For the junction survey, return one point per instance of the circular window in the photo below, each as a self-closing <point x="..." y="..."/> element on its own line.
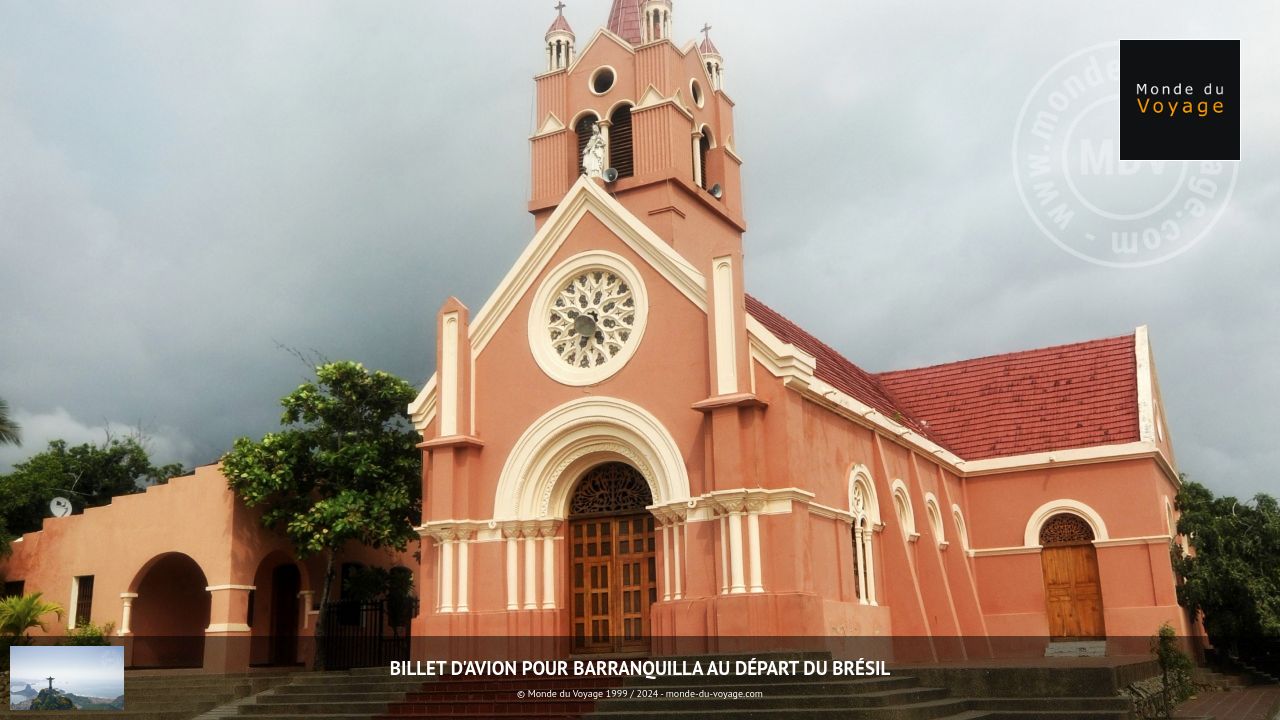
<point x="587" y="318"/>
<point x="695" y="89"/>
<point x="602" y="80"/>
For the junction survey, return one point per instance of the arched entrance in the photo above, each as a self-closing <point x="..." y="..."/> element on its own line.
<point x="170" y="613"/>
<point x="274" y="612"/>
<point x="1072" y="588"/>
<point x="612" y="560"/>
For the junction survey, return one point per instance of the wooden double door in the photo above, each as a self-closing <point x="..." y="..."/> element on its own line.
<point x="1073" y="591"/>
<point x="614" y="582"/>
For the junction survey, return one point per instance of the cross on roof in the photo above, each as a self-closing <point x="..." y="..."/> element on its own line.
<point x="560" y="7"/>
<point x="706" y="30"/>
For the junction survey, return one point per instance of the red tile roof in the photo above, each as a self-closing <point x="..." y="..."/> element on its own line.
<point x="624" y="20"/>
<point x="706" y="47"/>
<point x="1068" y="396"/>
<point x="560" y="24"/>
<point x="1054" y="398"/>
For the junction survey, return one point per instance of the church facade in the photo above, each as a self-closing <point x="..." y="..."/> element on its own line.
<point x="624" y="451"/>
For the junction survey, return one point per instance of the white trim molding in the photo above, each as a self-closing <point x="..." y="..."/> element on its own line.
<point x="933" y="513"/>
<point x="216" y="588"/>
<point x="1031" y="537"/>
<point x="962" y="528"/>
<point x="724" y="322"/>
<point x="539" y="473"/>
<point x="1146" y="386"/>
<point x="901" y="499"/>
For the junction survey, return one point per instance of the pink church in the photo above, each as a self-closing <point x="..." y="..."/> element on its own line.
<point x="624" y="448"/>
<point x="624" y="451"/>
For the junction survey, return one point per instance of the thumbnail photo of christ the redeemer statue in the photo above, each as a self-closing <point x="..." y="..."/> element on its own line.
<point x="66" y="678"/>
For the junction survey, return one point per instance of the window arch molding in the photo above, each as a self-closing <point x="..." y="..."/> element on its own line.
<point x="859" y="475"/>
<point x="1031" y="537"/>
<point x="934" y="513"/>
<point x="962" y="529"/>
<point x="864" y="516"/>
<point x="906" y="513"/>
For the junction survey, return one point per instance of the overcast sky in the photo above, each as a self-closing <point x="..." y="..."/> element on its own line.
<point x="186" y="186"/>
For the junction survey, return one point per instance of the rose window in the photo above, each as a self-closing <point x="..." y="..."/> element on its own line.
<point x="592" y="318"/>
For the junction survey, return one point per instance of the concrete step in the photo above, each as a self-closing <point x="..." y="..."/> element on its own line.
<point x="154" y="693"/>
<point x="193" y="707"/>
<point x="746" y="709"/>
<point x="344" y="707"/>
<point x="286" y="698"/>
<point x="351" y="686"/>
<point x="116" y="714"/>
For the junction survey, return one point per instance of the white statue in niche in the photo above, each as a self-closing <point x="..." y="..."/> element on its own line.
<point x="593" y="155"/>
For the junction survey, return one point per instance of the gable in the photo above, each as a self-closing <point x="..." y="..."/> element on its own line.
<point x="584" y="199"/>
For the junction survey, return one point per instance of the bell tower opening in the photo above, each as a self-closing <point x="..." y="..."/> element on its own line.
<point x="612" y="560"/>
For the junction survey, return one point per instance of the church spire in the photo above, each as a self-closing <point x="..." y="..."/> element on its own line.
<point x="624" y="20"/>
<point x="712" y="59"/>
<point x="560" y="42"/>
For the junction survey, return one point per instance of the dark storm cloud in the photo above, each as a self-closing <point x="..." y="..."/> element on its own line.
<point x="184" y="187"/>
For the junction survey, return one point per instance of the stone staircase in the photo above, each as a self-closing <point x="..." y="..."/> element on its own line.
<point x="348" y="695"/>
<point x="178" y="696"/>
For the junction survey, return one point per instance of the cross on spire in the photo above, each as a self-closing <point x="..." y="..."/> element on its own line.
<point x="560" y="7"/>
<point x="706" y="30"/>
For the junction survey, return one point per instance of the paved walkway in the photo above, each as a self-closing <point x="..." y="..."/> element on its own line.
<point x="1253" y="703"/>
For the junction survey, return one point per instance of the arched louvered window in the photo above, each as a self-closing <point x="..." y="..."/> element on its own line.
<point x="583" y="129"/>
<point x="704" y="146"/>
<point x="862" y="507"/>
<point x="621" y="153"/>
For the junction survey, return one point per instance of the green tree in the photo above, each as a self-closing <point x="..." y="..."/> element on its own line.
<point x="1232" y="574"/>
<point x="10" y="431"/>
<point x="344" y="469"/>
<point x="88" y="475"/>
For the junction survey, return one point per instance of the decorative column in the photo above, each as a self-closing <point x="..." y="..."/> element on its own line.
<point x="126" y="612"/>
<point x="445" y="541"/>
<point x="464" y="569"/>
<point x="530" y="535"/>
<point x="511" y="537"/>
<point x="754" y="507"/>
<point x="547" y="531"/>
<point x="735" y="507"/>
<point x="677" y="542"/>
<point x="724" y="549"/>
<point x="859" y="580"/>
<point x="304" y="599"/>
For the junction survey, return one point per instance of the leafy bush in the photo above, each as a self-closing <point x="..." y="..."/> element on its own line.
<point x="90" y="634"/>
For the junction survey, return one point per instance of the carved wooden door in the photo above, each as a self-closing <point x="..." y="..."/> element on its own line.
<point x="612" y="559"/>
<point x="1072" y="586"/>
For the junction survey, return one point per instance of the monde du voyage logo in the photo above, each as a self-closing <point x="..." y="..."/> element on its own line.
<point x="1125" y="153"/>
<point x="1181" y="99"/>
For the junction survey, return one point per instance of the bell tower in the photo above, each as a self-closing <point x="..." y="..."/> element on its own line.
<point x="654" y="115"/>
